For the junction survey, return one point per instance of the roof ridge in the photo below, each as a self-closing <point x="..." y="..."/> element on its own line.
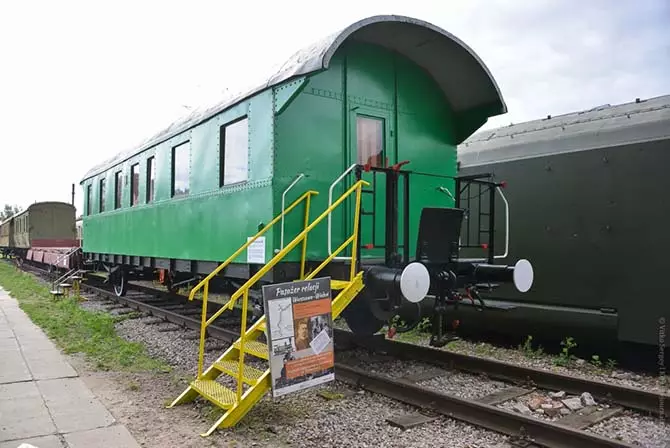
<point x="580" y="117"/>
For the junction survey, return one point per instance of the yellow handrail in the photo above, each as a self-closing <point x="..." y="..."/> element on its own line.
<point x="281" y="254"/>
<point x="243" y="330"/>
<point x="244" y="289"/>
<point x="353" y="240"/>
<point x="239" y="251"/>
<point x="231" y="303"/>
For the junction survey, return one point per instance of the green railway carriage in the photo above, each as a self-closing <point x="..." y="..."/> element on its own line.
<point x="368" y="120"/>
<point x="385" y="100"/>
<point x="385" y="89"/>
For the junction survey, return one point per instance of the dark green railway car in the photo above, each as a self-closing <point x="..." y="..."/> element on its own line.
<point x="381" y="92"/>
<point x="598" y="232"/>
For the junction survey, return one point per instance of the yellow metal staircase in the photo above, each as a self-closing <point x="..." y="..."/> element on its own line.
<point x="253" y="383"/>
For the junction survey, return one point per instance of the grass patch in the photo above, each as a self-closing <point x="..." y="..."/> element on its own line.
<point x="74" y="329"/>
<point x="412" y="336"/>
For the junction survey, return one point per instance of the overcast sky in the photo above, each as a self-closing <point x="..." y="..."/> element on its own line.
<point x="80" y="81"/>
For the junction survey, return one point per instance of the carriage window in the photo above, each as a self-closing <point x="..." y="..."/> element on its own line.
<point x="151" y="178"/>
<point x="234" y="144"/>
<point x="88" y="199"/>
<point x="180" y="169"/>
<point x="102" y="195"/>
<point x="134" y="184"/>
<point x="370" y="140"/>
<point x="118" y="189"/>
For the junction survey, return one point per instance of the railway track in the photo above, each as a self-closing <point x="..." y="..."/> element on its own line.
<point x="524" y="430"/>
<point x="632" y="398"/>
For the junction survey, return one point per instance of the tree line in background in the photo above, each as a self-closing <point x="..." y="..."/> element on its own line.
<point x="9" y="210"/>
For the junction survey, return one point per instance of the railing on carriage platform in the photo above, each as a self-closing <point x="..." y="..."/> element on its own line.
<point x="58" y="284"/>
<point x="66" y="255"/>
<point x="484" y="184"/>
<point x="243" y="291"/>
<point x="478" y="212"/>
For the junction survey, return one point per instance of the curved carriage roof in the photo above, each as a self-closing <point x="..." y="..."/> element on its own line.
<point x="35" y="205"/>
<point x="602" y="126"/>
<point x="465" y="80"/>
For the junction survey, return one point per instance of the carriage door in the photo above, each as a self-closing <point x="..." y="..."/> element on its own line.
<point x="369" y="145"/>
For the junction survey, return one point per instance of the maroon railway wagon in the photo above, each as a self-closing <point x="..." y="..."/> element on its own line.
<point x="44" y="233"/>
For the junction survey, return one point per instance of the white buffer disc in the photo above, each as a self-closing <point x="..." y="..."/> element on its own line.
<point x="414" y="282"/>
<point x="523" y="275"/>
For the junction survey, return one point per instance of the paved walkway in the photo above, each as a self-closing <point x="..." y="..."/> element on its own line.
<point x="42" y="401"/>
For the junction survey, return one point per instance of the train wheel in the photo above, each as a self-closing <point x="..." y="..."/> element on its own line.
<point x="360" y="319"/>
<point x="119" y="282"/>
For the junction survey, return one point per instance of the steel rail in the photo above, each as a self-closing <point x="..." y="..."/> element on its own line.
<point x="528" y="429"/>
<point x="153" y="309"/>
<point x="633" y="398"/>
<point x="171" y="316"/>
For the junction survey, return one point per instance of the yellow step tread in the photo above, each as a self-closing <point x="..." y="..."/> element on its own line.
<point x="255" y="348"/>
<point x="339" y="284"/>
<point x="230" y="366"/>
<point x="215" y="392"/>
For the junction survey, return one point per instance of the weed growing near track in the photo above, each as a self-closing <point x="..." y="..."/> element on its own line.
<point x="74" y="329"/>
<point x="527" y="349"/>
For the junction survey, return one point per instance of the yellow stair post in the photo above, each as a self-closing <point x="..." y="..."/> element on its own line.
<point x="253" y="383"/>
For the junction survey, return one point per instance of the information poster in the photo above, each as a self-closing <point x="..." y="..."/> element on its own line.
<point x="300" y="336"/>
<point x="256" y="251"/>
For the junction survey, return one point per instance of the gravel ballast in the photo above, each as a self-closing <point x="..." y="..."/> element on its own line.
<point x="635" y="429"/>
<point x="353" y="418"/>
<point x="359" y="420"/>
<point x="356" y="418"/>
